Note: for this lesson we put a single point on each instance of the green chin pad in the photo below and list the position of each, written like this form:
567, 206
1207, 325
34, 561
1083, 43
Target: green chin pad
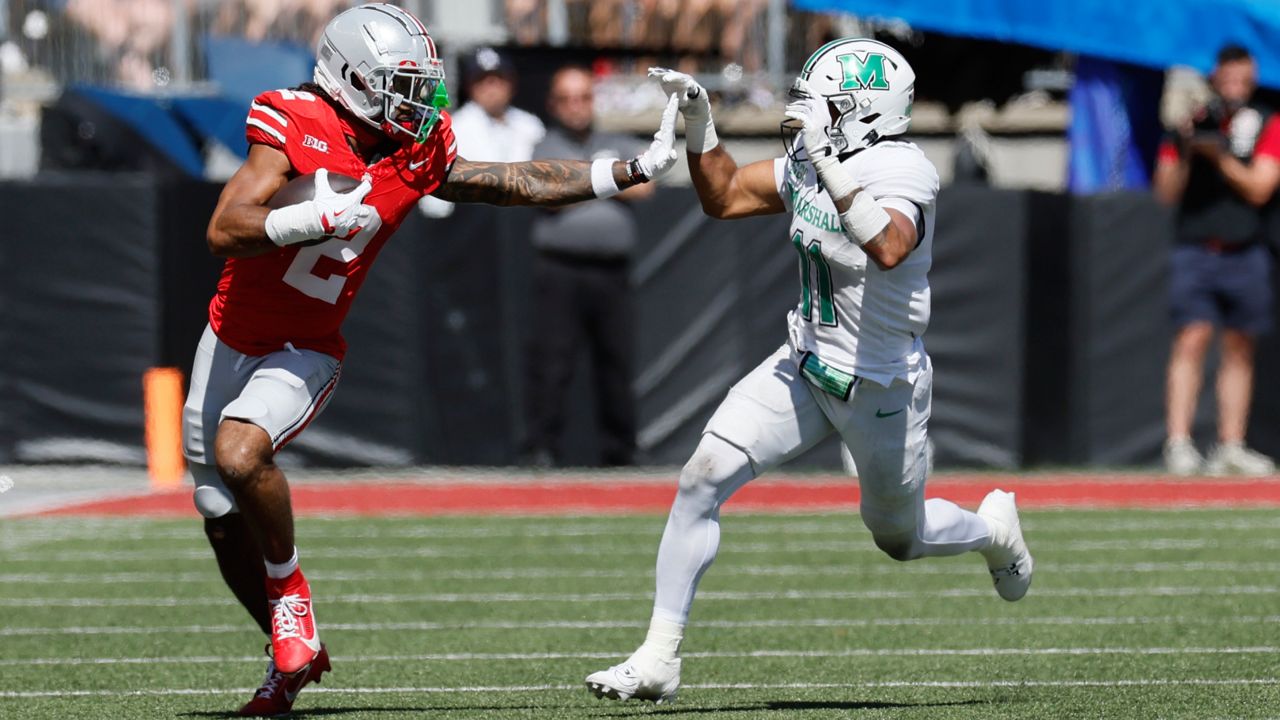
439, 101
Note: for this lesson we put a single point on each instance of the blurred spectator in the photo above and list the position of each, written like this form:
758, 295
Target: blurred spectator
1220, 169
488, 128
132, 37
526, 20
298, 21
581, 288
705, 35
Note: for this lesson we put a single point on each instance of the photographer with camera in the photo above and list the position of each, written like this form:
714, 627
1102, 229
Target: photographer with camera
1220, 170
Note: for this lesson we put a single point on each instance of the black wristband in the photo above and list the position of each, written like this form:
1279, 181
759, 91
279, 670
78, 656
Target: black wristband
635, 173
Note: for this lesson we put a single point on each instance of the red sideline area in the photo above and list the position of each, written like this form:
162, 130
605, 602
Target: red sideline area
561, 497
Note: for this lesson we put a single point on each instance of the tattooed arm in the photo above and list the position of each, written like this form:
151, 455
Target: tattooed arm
551, 183
539, 182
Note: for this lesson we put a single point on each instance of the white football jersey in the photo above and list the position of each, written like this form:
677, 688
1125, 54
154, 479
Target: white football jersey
853, 315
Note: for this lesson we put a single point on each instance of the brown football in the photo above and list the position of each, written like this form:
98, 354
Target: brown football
303, 188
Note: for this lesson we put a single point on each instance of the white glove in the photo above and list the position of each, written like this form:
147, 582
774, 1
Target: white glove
865, 219
811, 113
695, 105
327, 214
661, 155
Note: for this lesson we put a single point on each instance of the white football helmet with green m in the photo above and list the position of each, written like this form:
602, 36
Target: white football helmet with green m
869, 87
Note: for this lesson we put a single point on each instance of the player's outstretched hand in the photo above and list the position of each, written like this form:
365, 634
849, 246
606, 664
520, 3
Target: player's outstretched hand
326, 214
661, 155
695, 105
810, 113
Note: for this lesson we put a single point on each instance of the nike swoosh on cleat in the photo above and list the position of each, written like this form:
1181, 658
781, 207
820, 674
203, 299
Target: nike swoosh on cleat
882, 414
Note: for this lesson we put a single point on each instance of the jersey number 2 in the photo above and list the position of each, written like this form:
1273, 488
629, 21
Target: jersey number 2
812, 263
301, 275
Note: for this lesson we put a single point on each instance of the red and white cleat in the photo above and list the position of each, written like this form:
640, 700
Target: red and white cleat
295, 640
275, 697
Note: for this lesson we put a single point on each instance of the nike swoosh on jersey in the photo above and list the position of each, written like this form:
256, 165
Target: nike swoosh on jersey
415, 166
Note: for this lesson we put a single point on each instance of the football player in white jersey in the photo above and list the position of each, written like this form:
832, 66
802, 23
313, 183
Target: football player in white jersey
862, 205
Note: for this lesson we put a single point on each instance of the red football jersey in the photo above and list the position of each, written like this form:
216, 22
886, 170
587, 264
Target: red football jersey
300, 295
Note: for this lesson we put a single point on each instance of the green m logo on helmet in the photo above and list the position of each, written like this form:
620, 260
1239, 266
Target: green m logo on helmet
863, 73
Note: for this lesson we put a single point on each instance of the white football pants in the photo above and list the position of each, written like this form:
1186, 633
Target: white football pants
773, 415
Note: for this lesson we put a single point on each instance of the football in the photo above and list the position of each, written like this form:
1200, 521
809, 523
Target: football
303, 188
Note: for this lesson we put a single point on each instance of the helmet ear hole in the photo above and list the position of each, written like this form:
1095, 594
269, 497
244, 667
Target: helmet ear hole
358, 83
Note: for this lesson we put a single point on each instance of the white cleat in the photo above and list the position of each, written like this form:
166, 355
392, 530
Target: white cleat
1237, 459
1008, 558
642, 677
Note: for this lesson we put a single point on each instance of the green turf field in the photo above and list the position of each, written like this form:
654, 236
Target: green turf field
1132, 615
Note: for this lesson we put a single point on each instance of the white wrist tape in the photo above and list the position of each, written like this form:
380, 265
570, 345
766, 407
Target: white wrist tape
865, 219
838, 182
294, 224
602, 182
700, 135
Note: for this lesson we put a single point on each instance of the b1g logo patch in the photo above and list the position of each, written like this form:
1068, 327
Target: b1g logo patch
311, 142
863, 73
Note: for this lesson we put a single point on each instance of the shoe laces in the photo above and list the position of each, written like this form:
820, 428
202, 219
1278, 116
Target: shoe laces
272, 682
288, 608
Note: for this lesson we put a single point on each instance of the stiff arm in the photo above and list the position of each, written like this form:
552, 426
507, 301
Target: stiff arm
546, 183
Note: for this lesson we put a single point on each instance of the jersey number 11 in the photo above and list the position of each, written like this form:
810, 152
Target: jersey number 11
812, 263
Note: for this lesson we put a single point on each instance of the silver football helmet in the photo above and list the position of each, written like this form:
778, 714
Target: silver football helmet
379, 62
869, 88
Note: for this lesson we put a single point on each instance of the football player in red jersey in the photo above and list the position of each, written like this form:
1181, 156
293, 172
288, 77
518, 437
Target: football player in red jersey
272, 353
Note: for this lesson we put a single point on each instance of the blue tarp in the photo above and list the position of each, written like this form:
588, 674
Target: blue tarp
242, 69
179, 125
1115, 126
153, 118
1154, 33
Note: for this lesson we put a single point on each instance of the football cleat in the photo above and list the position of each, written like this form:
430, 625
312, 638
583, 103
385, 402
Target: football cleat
643, 676
295, 640
1007, 556
275, 697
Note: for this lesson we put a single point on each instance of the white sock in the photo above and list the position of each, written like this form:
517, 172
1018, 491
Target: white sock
950, 530
280, 571
664, 637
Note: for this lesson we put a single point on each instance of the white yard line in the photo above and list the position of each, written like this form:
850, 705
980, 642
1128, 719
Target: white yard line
509, 689
839, 526
138, 530
617, 654
864, 546
748, 522
709, 596
789, 623
536, 573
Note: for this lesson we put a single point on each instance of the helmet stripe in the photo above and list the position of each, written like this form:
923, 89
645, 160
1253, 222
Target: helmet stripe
808, 66
413, 24
813, 59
